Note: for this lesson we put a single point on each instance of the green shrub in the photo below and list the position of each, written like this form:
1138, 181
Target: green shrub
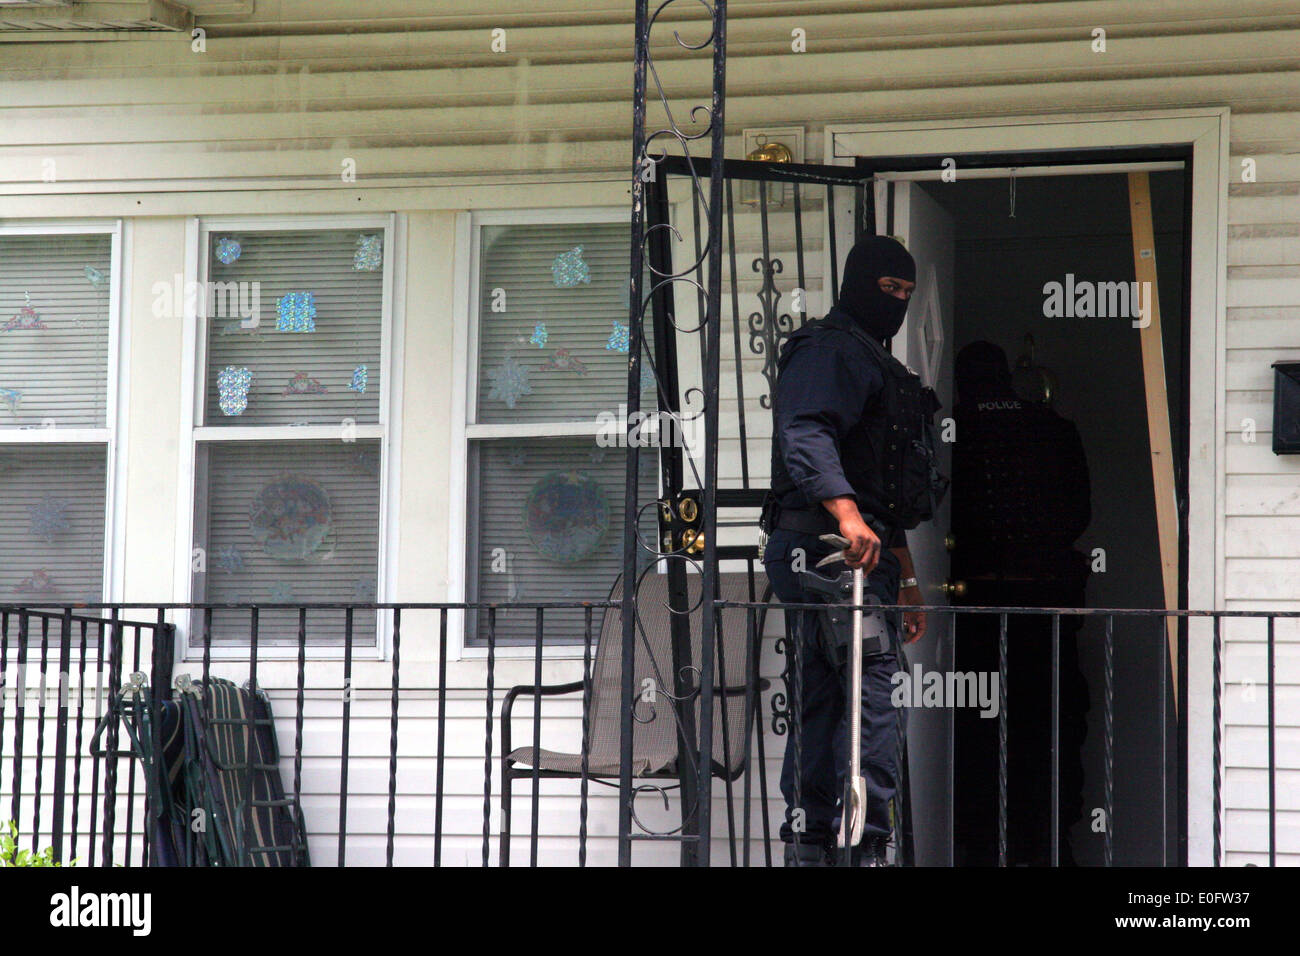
10, 855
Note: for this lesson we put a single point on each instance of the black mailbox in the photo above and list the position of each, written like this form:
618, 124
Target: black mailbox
1286, 408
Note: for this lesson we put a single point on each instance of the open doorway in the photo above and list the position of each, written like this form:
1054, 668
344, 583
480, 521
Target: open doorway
1015, 241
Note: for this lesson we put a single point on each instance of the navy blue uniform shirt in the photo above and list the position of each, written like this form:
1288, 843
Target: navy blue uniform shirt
825, 382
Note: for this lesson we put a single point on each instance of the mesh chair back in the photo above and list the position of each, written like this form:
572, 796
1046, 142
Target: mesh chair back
654, 732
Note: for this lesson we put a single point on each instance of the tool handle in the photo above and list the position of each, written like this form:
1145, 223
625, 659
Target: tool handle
855, 809
855, 693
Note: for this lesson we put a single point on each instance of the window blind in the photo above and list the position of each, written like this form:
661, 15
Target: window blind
297, 376
547, 525
566, 342
292, 521
546, 513
52, 524
54, 318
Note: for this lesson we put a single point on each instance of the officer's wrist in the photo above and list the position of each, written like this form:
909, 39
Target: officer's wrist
841, 507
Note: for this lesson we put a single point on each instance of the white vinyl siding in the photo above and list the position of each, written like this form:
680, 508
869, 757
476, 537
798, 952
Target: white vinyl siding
1262, 490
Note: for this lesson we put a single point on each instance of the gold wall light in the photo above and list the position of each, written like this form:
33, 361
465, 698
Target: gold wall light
776, 145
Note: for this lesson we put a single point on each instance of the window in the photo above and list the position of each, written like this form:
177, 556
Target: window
290, 427
57, 318
546, 483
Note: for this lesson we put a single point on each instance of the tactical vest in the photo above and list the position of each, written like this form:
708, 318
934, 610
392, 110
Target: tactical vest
889, 456
1021, 480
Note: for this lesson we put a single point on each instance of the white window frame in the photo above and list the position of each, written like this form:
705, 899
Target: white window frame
193, 389
112, 435
469, 231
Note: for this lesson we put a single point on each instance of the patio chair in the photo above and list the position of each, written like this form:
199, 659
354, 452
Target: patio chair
654, 742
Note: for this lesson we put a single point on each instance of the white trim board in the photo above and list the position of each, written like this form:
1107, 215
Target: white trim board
1205, 130
119, 399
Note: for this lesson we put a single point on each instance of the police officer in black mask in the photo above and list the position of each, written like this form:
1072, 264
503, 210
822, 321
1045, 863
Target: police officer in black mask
835, 469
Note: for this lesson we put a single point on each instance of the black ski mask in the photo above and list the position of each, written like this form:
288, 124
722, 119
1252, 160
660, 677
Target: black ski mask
880, 314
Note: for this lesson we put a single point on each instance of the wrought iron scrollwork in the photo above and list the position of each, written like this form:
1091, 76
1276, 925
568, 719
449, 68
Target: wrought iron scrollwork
663, 792
687, 691
781, 715
770, 327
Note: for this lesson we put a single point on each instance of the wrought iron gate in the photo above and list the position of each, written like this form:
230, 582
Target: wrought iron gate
692, 538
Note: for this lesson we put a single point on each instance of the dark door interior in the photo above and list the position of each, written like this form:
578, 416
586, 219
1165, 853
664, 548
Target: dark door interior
1066, 229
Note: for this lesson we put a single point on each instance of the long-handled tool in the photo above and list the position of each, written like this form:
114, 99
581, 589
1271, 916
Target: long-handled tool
855, 812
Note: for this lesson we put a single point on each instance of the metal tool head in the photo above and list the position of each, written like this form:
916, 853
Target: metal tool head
835, 541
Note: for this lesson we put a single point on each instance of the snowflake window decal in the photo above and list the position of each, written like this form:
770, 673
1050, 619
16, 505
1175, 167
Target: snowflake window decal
510, 382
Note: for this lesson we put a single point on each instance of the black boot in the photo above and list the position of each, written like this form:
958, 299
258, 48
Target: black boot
806, 854
870, 852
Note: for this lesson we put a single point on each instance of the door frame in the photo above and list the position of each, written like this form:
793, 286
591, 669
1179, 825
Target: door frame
1203, 132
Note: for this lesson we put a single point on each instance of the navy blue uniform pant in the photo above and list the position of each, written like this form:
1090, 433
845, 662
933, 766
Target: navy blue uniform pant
816, 755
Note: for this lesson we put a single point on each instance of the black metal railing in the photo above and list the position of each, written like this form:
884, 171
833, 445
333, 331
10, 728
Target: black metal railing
48, 658
1173, 697
415, 720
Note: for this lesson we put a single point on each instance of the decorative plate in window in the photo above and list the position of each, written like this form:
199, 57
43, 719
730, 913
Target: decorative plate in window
565, 516
290, 518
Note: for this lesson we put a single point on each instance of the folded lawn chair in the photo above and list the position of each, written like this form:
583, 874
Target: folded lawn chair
655, 741
134, 710
249, 821
215, 800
